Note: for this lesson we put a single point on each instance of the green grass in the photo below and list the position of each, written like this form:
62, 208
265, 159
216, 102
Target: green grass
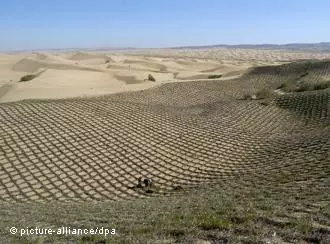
203, 214
213, 222
304, 226
283, 190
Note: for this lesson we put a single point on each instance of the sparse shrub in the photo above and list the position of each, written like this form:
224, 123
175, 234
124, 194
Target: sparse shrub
304, 226
261, 94
211, 222
321, 86
238, 220
176, 232
264, 93
27, 78
304, 74
151, 78
312, 87
214, 76
107, 61
246, 97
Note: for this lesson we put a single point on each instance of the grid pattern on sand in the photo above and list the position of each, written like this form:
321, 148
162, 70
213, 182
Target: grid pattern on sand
185, 134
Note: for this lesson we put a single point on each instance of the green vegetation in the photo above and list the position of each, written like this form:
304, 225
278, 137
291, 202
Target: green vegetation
224, 171
210, 214
31, 76
214, 76
28, 77
213, 222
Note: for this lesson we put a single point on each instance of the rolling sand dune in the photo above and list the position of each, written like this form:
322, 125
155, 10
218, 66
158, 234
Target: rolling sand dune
213, 154
54, 84
246, 155
188, 135
128, 68
95, 73
31, 66
41, 56
86, 56
128, 79
153, 65
89, 74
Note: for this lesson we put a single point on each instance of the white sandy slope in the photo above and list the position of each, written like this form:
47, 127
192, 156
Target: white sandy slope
79, 74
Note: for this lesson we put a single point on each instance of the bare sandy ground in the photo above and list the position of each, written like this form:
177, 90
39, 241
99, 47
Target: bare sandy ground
77, 74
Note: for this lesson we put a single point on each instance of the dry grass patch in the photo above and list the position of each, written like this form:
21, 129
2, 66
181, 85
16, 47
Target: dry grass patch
214, 76
28, 77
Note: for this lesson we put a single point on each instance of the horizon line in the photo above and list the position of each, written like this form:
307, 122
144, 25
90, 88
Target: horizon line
167, 47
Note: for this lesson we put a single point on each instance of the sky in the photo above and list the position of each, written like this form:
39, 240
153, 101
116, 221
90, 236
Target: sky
42, 24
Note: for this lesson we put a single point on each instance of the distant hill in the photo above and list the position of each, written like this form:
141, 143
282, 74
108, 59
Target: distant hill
318, 47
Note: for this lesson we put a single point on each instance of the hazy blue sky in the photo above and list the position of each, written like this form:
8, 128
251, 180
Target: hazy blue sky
34, 24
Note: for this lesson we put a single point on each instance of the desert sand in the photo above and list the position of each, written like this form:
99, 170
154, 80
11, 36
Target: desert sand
83, 73
232, 160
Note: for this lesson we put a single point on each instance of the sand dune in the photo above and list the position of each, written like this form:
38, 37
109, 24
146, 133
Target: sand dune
203, 134
128, 68
71, 83
31, 66
153, 65
224, 163
89, 74
86, 56
41, 56
70, 74
128, 79
4, 89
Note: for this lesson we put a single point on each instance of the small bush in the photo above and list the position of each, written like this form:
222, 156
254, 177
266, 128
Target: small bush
27, 78
151, 78
214, 76
264, 93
